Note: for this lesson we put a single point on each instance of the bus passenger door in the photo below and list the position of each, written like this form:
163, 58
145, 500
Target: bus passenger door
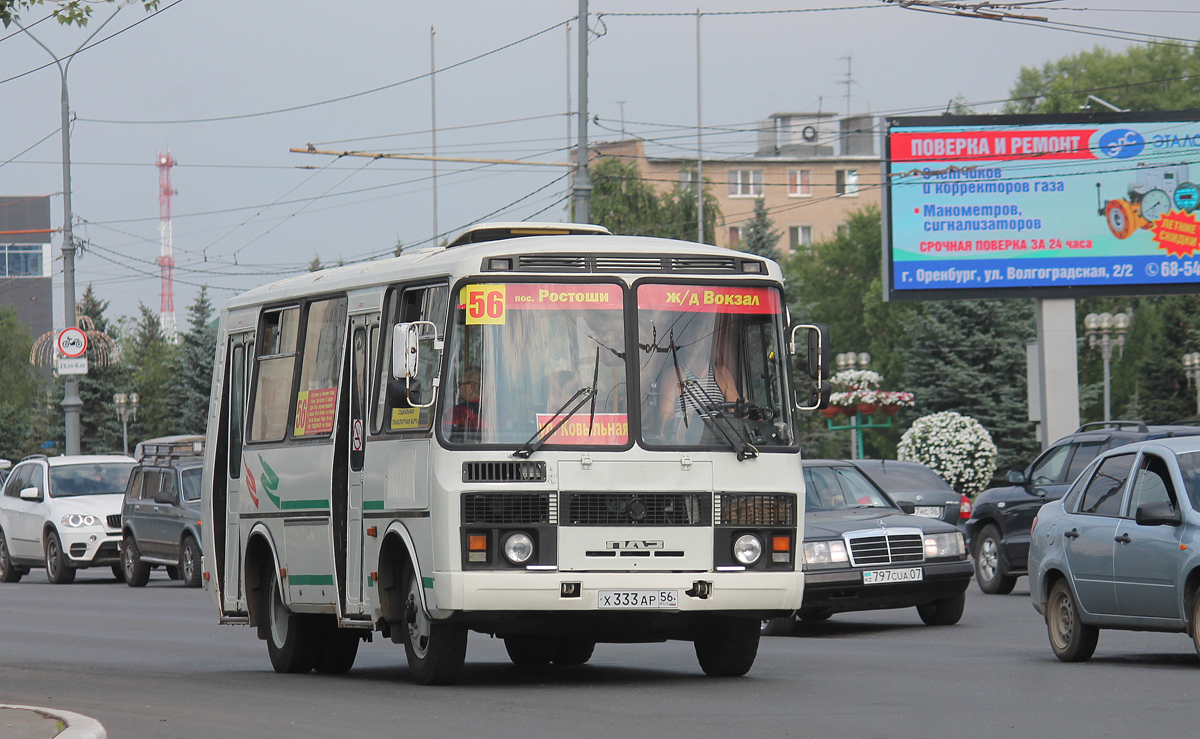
229, 538
351, 570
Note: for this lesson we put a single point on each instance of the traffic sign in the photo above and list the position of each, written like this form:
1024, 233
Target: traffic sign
72, 366
71, 343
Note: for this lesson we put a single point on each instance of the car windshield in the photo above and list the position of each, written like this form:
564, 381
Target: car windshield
897, 478
191, 482
1189, 468
711, 367
524, 356
837, 488
93, 478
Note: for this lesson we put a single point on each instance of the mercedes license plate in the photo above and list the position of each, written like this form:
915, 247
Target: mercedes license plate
928, 511
638, 598
880, 577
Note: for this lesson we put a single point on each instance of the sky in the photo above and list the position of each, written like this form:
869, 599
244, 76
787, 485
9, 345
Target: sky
228, 87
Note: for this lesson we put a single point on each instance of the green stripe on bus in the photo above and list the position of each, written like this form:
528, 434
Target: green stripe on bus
427, 582
372, 505
310, 579
291, 505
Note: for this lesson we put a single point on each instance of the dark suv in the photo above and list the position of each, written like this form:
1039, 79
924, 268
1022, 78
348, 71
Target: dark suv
998, 530
160, 518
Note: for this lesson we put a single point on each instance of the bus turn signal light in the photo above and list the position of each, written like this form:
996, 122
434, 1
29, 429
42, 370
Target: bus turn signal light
781, 543
477, 542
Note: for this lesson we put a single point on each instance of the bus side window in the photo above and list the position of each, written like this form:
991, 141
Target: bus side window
237, 408
425, 303
320, 364
276, 363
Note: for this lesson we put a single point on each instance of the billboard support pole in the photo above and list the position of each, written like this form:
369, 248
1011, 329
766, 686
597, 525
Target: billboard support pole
1058, 368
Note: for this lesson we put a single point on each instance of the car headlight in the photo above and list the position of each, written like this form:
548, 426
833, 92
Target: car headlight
79, 520
747, 549
945, 545
518, 548
824, 552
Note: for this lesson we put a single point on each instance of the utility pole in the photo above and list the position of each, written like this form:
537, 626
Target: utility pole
582, 192
848, 81
71, 403
433, 129
699, 144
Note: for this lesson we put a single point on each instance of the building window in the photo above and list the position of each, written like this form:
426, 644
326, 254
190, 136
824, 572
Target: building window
745, 183
847, 182
843, 230
735, 236
687, 179
800, 238
21, 260
800, 182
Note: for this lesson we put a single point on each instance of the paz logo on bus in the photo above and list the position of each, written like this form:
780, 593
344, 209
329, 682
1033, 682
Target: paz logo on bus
71, 343
634, 544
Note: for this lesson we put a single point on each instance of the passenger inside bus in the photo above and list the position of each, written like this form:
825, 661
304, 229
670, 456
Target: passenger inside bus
465, 415
696, 380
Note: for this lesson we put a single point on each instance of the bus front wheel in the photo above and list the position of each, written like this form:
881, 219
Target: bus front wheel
727, 646
436, 651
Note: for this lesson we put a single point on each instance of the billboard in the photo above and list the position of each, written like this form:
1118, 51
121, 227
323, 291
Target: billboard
1042, 206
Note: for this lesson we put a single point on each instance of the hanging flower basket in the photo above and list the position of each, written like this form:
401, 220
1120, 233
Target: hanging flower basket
889, 409
831, 412
848, 410
868, 409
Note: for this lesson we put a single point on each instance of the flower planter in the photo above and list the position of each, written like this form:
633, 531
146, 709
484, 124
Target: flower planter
831, 412
867, 409
890, 409
848, 410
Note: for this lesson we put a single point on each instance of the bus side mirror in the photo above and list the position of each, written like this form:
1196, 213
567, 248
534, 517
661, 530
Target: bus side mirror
816, 364
405, 351
411, 341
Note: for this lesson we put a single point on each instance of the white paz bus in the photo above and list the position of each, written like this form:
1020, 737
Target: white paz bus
540, 432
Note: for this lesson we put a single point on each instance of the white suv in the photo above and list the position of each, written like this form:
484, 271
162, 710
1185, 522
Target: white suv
63, 512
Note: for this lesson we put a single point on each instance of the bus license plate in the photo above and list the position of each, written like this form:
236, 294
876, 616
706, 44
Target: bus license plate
928, 511
638, 598
878, 577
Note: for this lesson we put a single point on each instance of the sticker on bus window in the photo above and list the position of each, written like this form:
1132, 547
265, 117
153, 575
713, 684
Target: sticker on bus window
607, 429
406, 419
484, 304
315, 411
708, 298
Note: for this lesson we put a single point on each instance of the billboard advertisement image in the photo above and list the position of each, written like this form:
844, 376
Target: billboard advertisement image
1043, 206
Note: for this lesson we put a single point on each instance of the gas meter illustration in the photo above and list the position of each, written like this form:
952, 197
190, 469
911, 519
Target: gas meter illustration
1153, 193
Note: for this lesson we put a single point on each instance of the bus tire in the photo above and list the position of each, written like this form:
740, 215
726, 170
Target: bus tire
573, 649
530, 650
291, 637
727, 646
436, 651
338, 648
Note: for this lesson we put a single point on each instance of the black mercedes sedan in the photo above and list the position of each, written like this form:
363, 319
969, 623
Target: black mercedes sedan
863, 552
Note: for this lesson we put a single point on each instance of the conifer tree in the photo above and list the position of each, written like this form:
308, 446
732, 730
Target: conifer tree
759, 238
193, 369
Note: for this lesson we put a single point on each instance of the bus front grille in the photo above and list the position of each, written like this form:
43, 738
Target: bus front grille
749, 509
501, 508
635, 509
504, 471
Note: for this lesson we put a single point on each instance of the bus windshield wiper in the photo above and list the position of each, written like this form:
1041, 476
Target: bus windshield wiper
581, 396
718, 420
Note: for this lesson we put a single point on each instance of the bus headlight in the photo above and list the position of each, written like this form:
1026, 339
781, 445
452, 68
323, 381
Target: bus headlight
747, 549
518, 548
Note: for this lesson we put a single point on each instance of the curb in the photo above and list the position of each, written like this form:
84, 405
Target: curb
78, 725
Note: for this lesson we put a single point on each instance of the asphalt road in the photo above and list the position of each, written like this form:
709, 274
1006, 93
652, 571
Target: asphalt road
153, 662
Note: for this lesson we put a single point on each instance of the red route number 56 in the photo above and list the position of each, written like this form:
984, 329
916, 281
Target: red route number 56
484, 303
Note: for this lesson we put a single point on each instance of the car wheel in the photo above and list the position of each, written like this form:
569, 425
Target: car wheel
58, 570
989, 568
943, 611
173, 572
1070, 638
436, 651
8, 571
572, 650
338, 647
137, 572
529, 650
291, 637
727, 646
781, 626
1196, 624
189, 563
118, 571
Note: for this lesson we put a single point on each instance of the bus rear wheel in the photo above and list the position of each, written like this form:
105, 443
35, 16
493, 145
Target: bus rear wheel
291, 637
727, 646
436, 651
338, 647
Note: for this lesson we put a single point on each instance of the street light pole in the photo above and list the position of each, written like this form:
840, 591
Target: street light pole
1098, 328
127, 408
849, 361
71, 403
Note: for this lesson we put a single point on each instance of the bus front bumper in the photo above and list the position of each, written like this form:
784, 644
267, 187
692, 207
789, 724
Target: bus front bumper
580, 591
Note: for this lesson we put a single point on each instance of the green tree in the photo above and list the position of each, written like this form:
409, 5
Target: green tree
150, 360
759, 238
20, 403
192, 383
625, 203
67, 12
1152, 77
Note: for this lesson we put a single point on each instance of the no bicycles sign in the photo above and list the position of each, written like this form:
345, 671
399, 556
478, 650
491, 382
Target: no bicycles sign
71, 343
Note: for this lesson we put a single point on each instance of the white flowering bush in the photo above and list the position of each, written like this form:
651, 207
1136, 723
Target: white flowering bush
955, 446
856, 378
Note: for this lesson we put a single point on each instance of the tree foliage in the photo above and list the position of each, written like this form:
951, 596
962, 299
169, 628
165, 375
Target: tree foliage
1152, 77
150, 360
66, 12
759, 237
192, 380
21, 409
625, 203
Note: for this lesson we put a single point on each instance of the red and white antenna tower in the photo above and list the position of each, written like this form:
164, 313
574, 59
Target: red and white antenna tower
166, 259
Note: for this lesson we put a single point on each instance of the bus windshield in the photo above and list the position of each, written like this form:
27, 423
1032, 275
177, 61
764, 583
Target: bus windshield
711, 367
523, 356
